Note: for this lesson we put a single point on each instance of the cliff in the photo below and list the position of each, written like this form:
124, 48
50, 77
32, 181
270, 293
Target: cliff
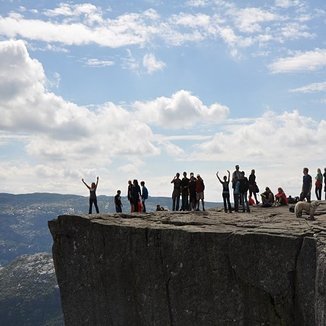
202, 268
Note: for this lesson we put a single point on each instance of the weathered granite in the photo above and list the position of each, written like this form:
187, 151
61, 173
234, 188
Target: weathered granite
200, 268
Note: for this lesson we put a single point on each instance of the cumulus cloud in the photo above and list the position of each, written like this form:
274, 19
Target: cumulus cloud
182, 109
300, 62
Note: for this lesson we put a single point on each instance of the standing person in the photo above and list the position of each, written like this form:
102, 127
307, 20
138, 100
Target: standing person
185, 192
318, 184
192, 191
92, 195
136, 195
235, 175
306, 186
176, 192
129, 195
253, 188
236, 195
325, 182
144, 195
225, 192
200, 187
244, 186
117, 202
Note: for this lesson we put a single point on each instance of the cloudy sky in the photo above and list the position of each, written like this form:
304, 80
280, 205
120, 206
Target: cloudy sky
144, 89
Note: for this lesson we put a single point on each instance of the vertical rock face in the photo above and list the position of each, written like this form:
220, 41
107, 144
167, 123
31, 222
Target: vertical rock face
189, 269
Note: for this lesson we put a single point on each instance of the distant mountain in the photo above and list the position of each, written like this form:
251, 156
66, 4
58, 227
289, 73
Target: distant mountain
29, 294
28, 289
23, 218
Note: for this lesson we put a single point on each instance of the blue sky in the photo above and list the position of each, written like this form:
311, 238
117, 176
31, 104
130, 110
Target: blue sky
145, 89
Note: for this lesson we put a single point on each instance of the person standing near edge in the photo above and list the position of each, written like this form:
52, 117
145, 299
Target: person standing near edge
92, 195
176, 192
117, 202
318, 184
306, 186
144, 195
225, 192
185, 192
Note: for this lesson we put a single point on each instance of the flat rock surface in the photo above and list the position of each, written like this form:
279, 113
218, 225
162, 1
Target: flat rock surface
273, 220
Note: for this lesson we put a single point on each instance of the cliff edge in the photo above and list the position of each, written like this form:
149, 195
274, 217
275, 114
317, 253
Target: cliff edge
192, 268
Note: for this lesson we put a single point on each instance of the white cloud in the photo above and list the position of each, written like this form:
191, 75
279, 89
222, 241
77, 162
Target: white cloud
83, 24
287, 3
300, 62
99, 63
311, 88
249, 20
151, 64
181, 110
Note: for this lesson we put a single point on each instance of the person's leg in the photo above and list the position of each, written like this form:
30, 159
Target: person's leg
245, 200
228, 202
95, 204
90, 206
224, 203
178, 202
236, 202
144, 207
173, 203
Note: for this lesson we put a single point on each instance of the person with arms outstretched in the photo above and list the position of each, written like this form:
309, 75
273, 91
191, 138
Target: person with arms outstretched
92, 195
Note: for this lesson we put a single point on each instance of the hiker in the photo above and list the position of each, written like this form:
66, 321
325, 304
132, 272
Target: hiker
200, 187
92, 195
225, 192
144, 195
280, 198
176, 192
306, 186
117, 202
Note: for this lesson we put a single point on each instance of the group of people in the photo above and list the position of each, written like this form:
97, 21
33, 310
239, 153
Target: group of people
137, 195
241, 185
191, 191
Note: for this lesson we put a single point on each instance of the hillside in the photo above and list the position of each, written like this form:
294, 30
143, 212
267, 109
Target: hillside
29, 294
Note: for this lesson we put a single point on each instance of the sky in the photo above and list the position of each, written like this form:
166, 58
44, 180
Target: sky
144, 89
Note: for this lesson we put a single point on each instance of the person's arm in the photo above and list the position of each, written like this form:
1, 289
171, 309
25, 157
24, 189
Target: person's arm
97, 179
83, 181
219, 177
228, 176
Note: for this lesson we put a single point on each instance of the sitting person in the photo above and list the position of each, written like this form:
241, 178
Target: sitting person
267, 198
251, 201
280, 198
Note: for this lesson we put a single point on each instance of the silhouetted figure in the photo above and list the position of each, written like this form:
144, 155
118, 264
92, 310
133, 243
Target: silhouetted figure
253, 188
192, 191
306, 186
117, 202
176, 192
92, 195
185, 192
136, 196
144, 195
225, 192
200, 187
